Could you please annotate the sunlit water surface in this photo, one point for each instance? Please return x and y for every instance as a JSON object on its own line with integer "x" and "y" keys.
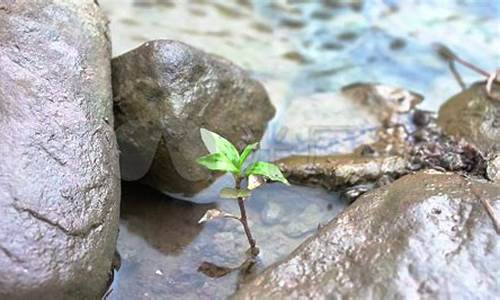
{"x": 303, "y": 52}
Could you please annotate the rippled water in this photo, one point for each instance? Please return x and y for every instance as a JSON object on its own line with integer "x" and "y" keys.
{"x": 303, "y": 52}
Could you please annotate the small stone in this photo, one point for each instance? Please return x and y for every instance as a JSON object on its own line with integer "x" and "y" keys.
{"x": 397, "y": 44}
{"x": 159, "y": 273}
{"x": 436, "y": 211}
{"x": 493, "y": 168}
{"x": 421, "y": 118}
{"x": 452, "y": 161}
{"x": 353, "y": 193}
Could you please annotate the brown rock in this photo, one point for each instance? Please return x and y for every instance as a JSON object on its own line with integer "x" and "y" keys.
{"x": 426, "y": 236}
{"x": 473, "y": 116}
{"x": 164, "y": 91}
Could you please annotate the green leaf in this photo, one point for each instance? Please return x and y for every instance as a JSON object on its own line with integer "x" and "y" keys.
{"x": 246, "y": 153}
{"x": 230, "y": 193}
{"x": 217, "y": 144}
{"x": 268, "y": 170}
{"x": 217, "y": 162}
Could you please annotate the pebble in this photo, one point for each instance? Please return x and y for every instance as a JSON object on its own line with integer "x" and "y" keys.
{"x": 493, "y": 168}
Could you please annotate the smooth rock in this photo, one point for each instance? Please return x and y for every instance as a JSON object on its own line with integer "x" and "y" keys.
{"x": 164, "y": 91}
{"x": 426, "y": 236}
{"x": 59, "y": 171}
{"x": 473, "y": 116}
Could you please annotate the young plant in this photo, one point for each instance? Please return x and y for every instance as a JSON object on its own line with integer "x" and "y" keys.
{"x": 224, "y": 157}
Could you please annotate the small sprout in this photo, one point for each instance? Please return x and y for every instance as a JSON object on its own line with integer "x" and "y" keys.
{"x": 225, "y": 157}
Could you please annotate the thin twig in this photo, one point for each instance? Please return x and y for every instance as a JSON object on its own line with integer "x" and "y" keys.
{"x": 451, "y": 57}
{"x": 489, "y": 85}
{"x": 457, "y": 76}
{"x": 491, "y": 213}
{"x": 486, "y": 204}
{"x": 472, "y": 67}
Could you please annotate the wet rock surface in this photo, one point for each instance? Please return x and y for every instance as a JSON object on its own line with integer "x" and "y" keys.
{"x": 59, "y": 172}
{"x": 164, "y": 91}
{"x": 473, "y": 116}
{"x": 338, "y": 171}
{"x": 433, "y": 242}
{"x": 408, "y": 140}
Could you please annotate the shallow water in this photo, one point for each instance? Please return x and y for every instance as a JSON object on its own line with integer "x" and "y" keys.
{"x": 303, "y": 52}
{"x": 162, "y": 245}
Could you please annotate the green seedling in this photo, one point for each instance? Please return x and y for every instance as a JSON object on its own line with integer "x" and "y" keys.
{"x": 225, "y": 157}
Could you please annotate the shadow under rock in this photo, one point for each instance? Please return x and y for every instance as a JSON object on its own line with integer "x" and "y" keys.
{"x": 167, "y": 224}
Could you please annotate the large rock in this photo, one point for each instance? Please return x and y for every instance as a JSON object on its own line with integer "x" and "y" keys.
{"x": 426, "y": 236}
{"x": 59, "y": 171}
{"x": 164, "y": 91}
{"x": 473, "y": 116}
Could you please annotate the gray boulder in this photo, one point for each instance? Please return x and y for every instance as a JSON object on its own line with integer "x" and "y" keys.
{"x": 164, "y": 91}
{"x": 473, "y": 116}
{"x": 59, "y": 171}
{"x": 426, "y": 236}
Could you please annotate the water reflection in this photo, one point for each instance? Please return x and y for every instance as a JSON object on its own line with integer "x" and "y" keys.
{"x": 166, "y": 224}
